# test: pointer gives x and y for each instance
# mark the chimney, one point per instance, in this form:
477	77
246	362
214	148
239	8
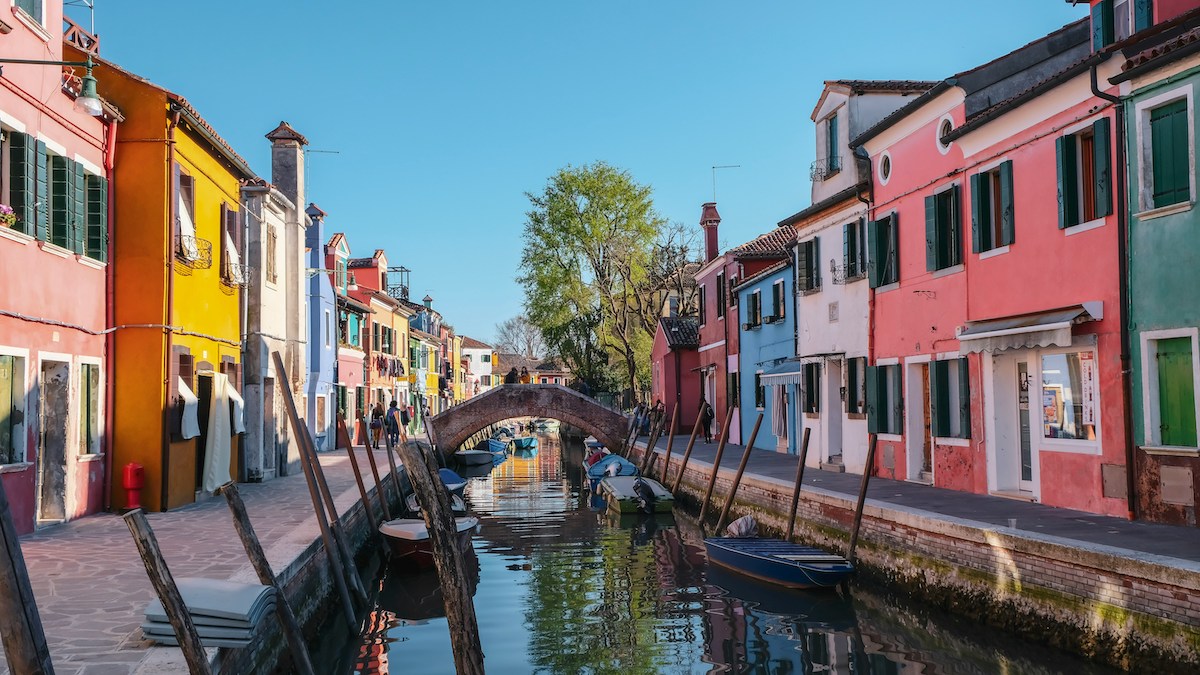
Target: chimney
287	162
428	302
709	220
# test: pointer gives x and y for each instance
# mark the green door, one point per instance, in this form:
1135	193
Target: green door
1176	392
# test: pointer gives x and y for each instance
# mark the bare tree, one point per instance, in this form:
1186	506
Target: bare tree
518	336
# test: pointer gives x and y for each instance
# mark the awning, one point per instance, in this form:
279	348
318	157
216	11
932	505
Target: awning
787	372
1042	329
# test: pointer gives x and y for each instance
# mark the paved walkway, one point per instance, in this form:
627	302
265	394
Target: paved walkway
91	587
1086	529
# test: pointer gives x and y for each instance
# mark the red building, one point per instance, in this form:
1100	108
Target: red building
53	275
674	368
994	264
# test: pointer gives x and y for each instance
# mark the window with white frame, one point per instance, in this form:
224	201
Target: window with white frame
943	230
90	422
808	266
833	160
778	301
34	9
12	409
1084	174
854	249
950	398
1070	403
855	385
885	399
753	310
1169	387
992	208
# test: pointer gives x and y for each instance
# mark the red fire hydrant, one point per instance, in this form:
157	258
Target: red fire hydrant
135	478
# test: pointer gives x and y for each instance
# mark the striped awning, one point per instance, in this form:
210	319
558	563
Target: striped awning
787	372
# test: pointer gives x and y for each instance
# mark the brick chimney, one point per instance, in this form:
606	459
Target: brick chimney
287	162
709	220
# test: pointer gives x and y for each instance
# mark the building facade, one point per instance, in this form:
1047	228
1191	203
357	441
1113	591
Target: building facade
479	357
674	368
772	389
319	402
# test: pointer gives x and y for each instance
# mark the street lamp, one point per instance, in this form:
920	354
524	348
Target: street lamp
88	101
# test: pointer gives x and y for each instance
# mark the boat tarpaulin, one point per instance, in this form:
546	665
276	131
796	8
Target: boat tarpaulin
190	424
1041	329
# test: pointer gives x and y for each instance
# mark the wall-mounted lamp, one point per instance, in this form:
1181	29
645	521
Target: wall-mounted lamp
88	101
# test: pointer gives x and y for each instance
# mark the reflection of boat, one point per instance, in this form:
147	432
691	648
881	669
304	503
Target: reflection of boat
609	465
477	470
410	543
524	442
525	453
549	426
416	598
627	521
635	494
780	562
502	433
817	610
453	482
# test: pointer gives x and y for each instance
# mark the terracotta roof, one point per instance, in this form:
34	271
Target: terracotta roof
417	332
360	262
682	332
472	343
1163	44
285	132
901	86
770	245
314	210
508	360
765	272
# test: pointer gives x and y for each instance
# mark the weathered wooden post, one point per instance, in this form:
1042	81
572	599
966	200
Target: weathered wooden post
670	440
651	441
687	453
712	479
362	489
380	490
737	478
25	646
862	496
266	577
632	435
791	529
443	535
168	593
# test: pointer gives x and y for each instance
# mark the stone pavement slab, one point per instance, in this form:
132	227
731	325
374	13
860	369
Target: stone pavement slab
1083	528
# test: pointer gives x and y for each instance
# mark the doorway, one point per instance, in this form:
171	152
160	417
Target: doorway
918	424
204	393
831	410
54	411
1013	460
270	440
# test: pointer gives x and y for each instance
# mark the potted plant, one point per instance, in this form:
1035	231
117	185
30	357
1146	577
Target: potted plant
8	217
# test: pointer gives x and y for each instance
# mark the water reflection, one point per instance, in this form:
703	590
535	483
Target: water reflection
564	586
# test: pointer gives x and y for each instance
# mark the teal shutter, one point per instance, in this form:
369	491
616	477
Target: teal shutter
939	397
978	209
62	191
874	404
78	208
42	191
22	162
1102	167
802	260
954	228
97	218
848	259
1169	148
896	400
875	256
851	385
831	141
814	262
1143	14
860	246
1102	25
931	233
1176	392
1007	214
964	398
894	247
1068	205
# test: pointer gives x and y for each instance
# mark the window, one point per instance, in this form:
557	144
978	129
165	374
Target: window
89	409
760	392
1069	396
673	305
341	393
808	266
885	168
855	395
360	401
753	310
733	297
943	232
68	204
833	162
187	247
272	245
950	398
992	209
544	380
485	380
734	393
557	381
33	8
232	270
1084	175
12	409
328	329
778	301
885	400
340	275
702	307
721	295
1174	410
321	413
854	249
811	401
1111	20
1169	157
884	250
29	185
96	246
486	358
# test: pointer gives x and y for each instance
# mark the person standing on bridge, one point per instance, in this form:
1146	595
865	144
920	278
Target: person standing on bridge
512	377
524	376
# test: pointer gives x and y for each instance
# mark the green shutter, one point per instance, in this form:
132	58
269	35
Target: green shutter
802	260
964	398
97	218
831	142
939	397
1101	167
874	403
896	400
1102	25
1143	14
1007	213
42	191
874	254
931	233
814	262
1169	150
847	250
860	246
978	209
61	201
6	409
1068	204
78	208
1176	392
894	247
22	187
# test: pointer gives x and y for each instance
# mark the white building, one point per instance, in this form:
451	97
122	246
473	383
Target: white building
480	356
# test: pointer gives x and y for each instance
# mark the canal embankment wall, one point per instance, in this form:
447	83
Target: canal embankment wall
1132	610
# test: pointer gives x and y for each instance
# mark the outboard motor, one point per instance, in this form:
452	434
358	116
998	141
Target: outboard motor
645	496
612	469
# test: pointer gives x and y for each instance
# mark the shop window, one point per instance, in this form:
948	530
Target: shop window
808	266
1069	399
992	208
812	388
1084	175
90	423
885	400
950	398
854	249
943	231
12	409
855	385
884	250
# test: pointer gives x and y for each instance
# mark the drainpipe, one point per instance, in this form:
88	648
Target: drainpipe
170	269
861	156
110	339
1120	187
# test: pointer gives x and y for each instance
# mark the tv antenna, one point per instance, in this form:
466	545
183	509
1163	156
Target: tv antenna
714	175
322	152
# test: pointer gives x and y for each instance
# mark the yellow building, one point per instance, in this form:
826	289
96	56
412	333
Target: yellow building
176	294
459	385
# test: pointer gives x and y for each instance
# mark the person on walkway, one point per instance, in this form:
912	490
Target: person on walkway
376	424
706	419
524	376
512	377
391	423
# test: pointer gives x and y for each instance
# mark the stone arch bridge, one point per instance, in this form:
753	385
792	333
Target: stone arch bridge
451	428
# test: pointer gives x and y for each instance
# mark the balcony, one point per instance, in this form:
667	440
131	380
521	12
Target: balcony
235	274
194	252
823	169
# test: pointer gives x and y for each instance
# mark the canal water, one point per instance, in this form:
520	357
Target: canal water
561	586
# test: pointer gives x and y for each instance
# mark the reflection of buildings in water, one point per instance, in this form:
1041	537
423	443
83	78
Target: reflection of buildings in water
372	652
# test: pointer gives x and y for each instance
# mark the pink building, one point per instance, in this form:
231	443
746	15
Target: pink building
993	250
57	159
674	368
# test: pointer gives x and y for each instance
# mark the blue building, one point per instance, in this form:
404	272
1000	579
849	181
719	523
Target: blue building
771	375
322	337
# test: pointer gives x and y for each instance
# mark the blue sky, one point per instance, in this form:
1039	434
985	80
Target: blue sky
443	114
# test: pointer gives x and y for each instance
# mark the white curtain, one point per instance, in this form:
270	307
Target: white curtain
217	450
187	230
234	261
779	410
237	410
190	426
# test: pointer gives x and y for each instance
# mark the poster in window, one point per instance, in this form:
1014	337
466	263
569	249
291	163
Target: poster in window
1052	404
1087	386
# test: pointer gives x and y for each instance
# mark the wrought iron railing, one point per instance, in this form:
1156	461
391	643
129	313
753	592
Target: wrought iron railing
236	274
194	252
824	168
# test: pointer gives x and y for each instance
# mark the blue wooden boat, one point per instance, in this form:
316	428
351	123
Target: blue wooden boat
778	561
524	442
609	465
453	482
491	445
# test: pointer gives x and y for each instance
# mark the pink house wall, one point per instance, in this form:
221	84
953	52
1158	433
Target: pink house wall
663	384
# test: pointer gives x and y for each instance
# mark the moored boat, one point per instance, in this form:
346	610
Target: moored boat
410	543
778	561
491	445
636	494
474	457
453	482
609	465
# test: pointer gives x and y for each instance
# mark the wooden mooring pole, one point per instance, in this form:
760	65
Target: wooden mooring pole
862	496
791	528
670	440
687	453
712	479
362	488
168	593
266	576
737	478
655	432
25	646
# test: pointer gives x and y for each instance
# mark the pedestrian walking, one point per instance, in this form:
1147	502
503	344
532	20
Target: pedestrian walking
706	419
524	376
391	423
376	424
512	377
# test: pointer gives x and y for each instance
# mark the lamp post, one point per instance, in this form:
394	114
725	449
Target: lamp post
88	101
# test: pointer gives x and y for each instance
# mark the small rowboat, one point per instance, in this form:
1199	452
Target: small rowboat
409	540
609	465
778	561
491	445
453	482
524	442
634	494
474	457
